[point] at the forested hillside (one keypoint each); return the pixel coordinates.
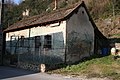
(106, 13)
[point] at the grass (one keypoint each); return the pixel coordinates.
(97, 67)
(116, 35)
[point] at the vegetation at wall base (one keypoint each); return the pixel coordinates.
(96, 67)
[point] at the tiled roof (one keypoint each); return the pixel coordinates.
(57, 15)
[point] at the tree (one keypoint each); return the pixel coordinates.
(13, 12)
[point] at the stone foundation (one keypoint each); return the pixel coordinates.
(28, 66)
(37, 67)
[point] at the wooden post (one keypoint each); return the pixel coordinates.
(1, 29)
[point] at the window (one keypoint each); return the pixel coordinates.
(48, 41)
(37, 41)
(22, 41)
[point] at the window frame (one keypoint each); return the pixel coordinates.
(37, 41)
(48, 41)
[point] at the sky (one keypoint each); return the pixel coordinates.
(17, 1)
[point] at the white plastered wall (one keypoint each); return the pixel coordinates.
(56, 30)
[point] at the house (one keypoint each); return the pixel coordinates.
(62, 36)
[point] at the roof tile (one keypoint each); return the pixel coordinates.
(43, 18)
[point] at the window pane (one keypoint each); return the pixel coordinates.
(48, 41)
(37, 41)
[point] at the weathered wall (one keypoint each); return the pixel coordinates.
(80, 36)
(28, 52)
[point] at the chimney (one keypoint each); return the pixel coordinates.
(56, 5)
(66, 1)
(25, 13)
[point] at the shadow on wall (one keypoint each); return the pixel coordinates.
(13, 59)
(79, 46)
(46, 59)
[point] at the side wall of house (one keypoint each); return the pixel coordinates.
(80, 36)
(42, 44)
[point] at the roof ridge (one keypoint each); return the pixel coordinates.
(58, 10)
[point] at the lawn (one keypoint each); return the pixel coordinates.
(96, 67)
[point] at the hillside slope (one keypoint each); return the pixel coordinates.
(96, 67)
(108, 27)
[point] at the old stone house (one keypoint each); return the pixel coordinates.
(62, 36)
